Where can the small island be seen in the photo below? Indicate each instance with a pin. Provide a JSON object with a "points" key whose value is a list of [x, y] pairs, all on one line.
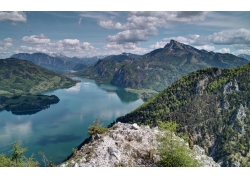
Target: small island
{"points": [[27, 104]]}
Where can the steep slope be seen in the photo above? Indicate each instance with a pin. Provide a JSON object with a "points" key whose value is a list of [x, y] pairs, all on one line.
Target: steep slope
{"points": [[127, 145], [22, 77], [212, 107], [159, 68]]}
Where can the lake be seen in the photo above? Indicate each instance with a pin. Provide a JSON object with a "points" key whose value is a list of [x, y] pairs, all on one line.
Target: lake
{"points": [[58, 129]]}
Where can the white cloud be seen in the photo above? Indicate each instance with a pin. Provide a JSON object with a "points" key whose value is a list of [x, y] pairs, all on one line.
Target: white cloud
{"points": [[223, 50], [67, 47], [240, 36], [36, 39], [133, 35], [114, 48], [80, 20], [6, 47], [87, 46], [106, 24], [237, 39], [8, 40], [141, 25], [69, 42], [14, 16], [206, 47]]}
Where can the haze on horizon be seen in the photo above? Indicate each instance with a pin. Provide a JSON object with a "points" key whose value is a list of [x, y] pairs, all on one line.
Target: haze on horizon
{"points": [[91, 33]]}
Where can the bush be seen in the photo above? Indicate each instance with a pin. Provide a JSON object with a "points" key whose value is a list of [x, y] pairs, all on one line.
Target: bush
{"points": [[96, 128], [17, 159], [173, 152]]}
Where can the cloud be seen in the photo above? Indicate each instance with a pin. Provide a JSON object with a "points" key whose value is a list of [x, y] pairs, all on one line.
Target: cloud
{"points": [[129, 47], [141, 25], [69, 42], [132, 35], [14, 16], [235, 38], [6, 47], [8, 40], [80, 20], [87, 46], [36, 39], [206, 47], [223, 50], [240, 36], [67, 47]]}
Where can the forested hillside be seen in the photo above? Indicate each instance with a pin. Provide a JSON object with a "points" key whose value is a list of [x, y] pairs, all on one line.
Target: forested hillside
{"points": [[21, 76], [212, 107]]}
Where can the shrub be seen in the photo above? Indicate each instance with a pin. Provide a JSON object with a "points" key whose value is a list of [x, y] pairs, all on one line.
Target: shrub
{"points": [[17, 159], [173, 152], [96, 128]]}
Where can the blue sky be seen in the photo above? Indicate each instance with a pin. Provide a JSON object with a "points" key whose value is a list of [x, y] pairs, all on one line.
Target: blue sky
{"points": [[91, 33]]}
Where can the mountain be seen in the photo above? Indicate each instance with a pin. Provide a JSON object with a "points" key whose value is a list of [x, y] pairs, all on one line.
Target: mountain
{"points": [[159, 68], [212, 108], [246, 56], [22, 76], [121, 57], [57, 62]]}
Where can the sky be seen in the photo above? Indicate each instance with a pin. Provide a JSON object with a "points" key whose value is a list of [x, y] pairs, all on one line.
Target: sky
{"points": [[93, 33]]}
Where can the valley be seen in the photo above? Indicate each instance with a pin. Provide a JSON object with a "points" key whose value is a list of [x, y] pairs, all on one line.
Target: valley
{"points": [[205, 93]]}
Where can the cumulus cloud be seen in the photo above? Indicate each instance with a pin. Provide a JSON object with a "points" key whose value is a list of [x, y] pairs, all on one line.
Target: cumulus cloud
{"points": [[36, 39], [68, 47], [6, 47], [8, 40], [223, 50], [69, 42], [141, 25], [87, 46], [206, 47], [133, 35], [240, 36], [237, 39], [14, 16], [114, 48]]}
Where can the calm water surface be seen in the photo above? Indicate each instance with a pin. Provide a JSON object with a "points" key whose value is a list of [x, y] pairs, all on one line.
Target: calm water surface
{"points": [[58, 129]]}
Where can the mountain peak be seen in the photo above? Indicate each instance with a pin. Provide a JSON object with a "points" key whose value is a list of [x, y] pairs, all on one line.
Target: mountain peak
{"points": [[175, 46]]}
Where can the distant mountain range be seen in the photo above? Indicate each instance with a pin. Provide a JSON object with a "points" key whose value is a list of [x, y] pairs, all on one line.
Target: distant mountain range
{"points": [[159, 68], [212, 108], [246, 56], [121, 57], [57, 62]]}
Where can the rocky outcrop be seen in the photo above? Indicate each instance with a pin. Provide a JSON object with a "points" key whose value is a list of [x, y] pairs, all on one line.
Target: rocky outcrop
{"points": [[126, 145], [231, 87], [201, 85]]}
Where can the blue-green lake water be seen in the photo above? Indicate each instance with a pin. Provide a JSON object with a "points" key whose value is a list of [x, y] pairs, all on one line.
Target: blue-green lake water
{"points": [[58, 129]]}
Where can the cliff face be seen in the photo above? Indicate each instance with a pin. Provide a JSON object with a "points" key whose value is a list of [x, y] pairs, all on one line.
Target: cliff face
{"points": [[126, 145]]}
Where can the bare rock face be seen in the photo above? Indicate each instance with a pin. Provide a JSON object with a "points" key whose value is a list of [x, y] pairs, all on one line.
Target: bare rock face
{"points": [[125, 145], [203, 158], [231, 87]]}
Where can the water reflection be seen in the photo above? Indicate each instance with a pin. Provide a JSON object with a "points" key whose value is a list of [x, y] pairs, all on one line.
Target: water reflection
{"points": [[124, 96], [75, 89], [54, 139], [64, 126]]}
